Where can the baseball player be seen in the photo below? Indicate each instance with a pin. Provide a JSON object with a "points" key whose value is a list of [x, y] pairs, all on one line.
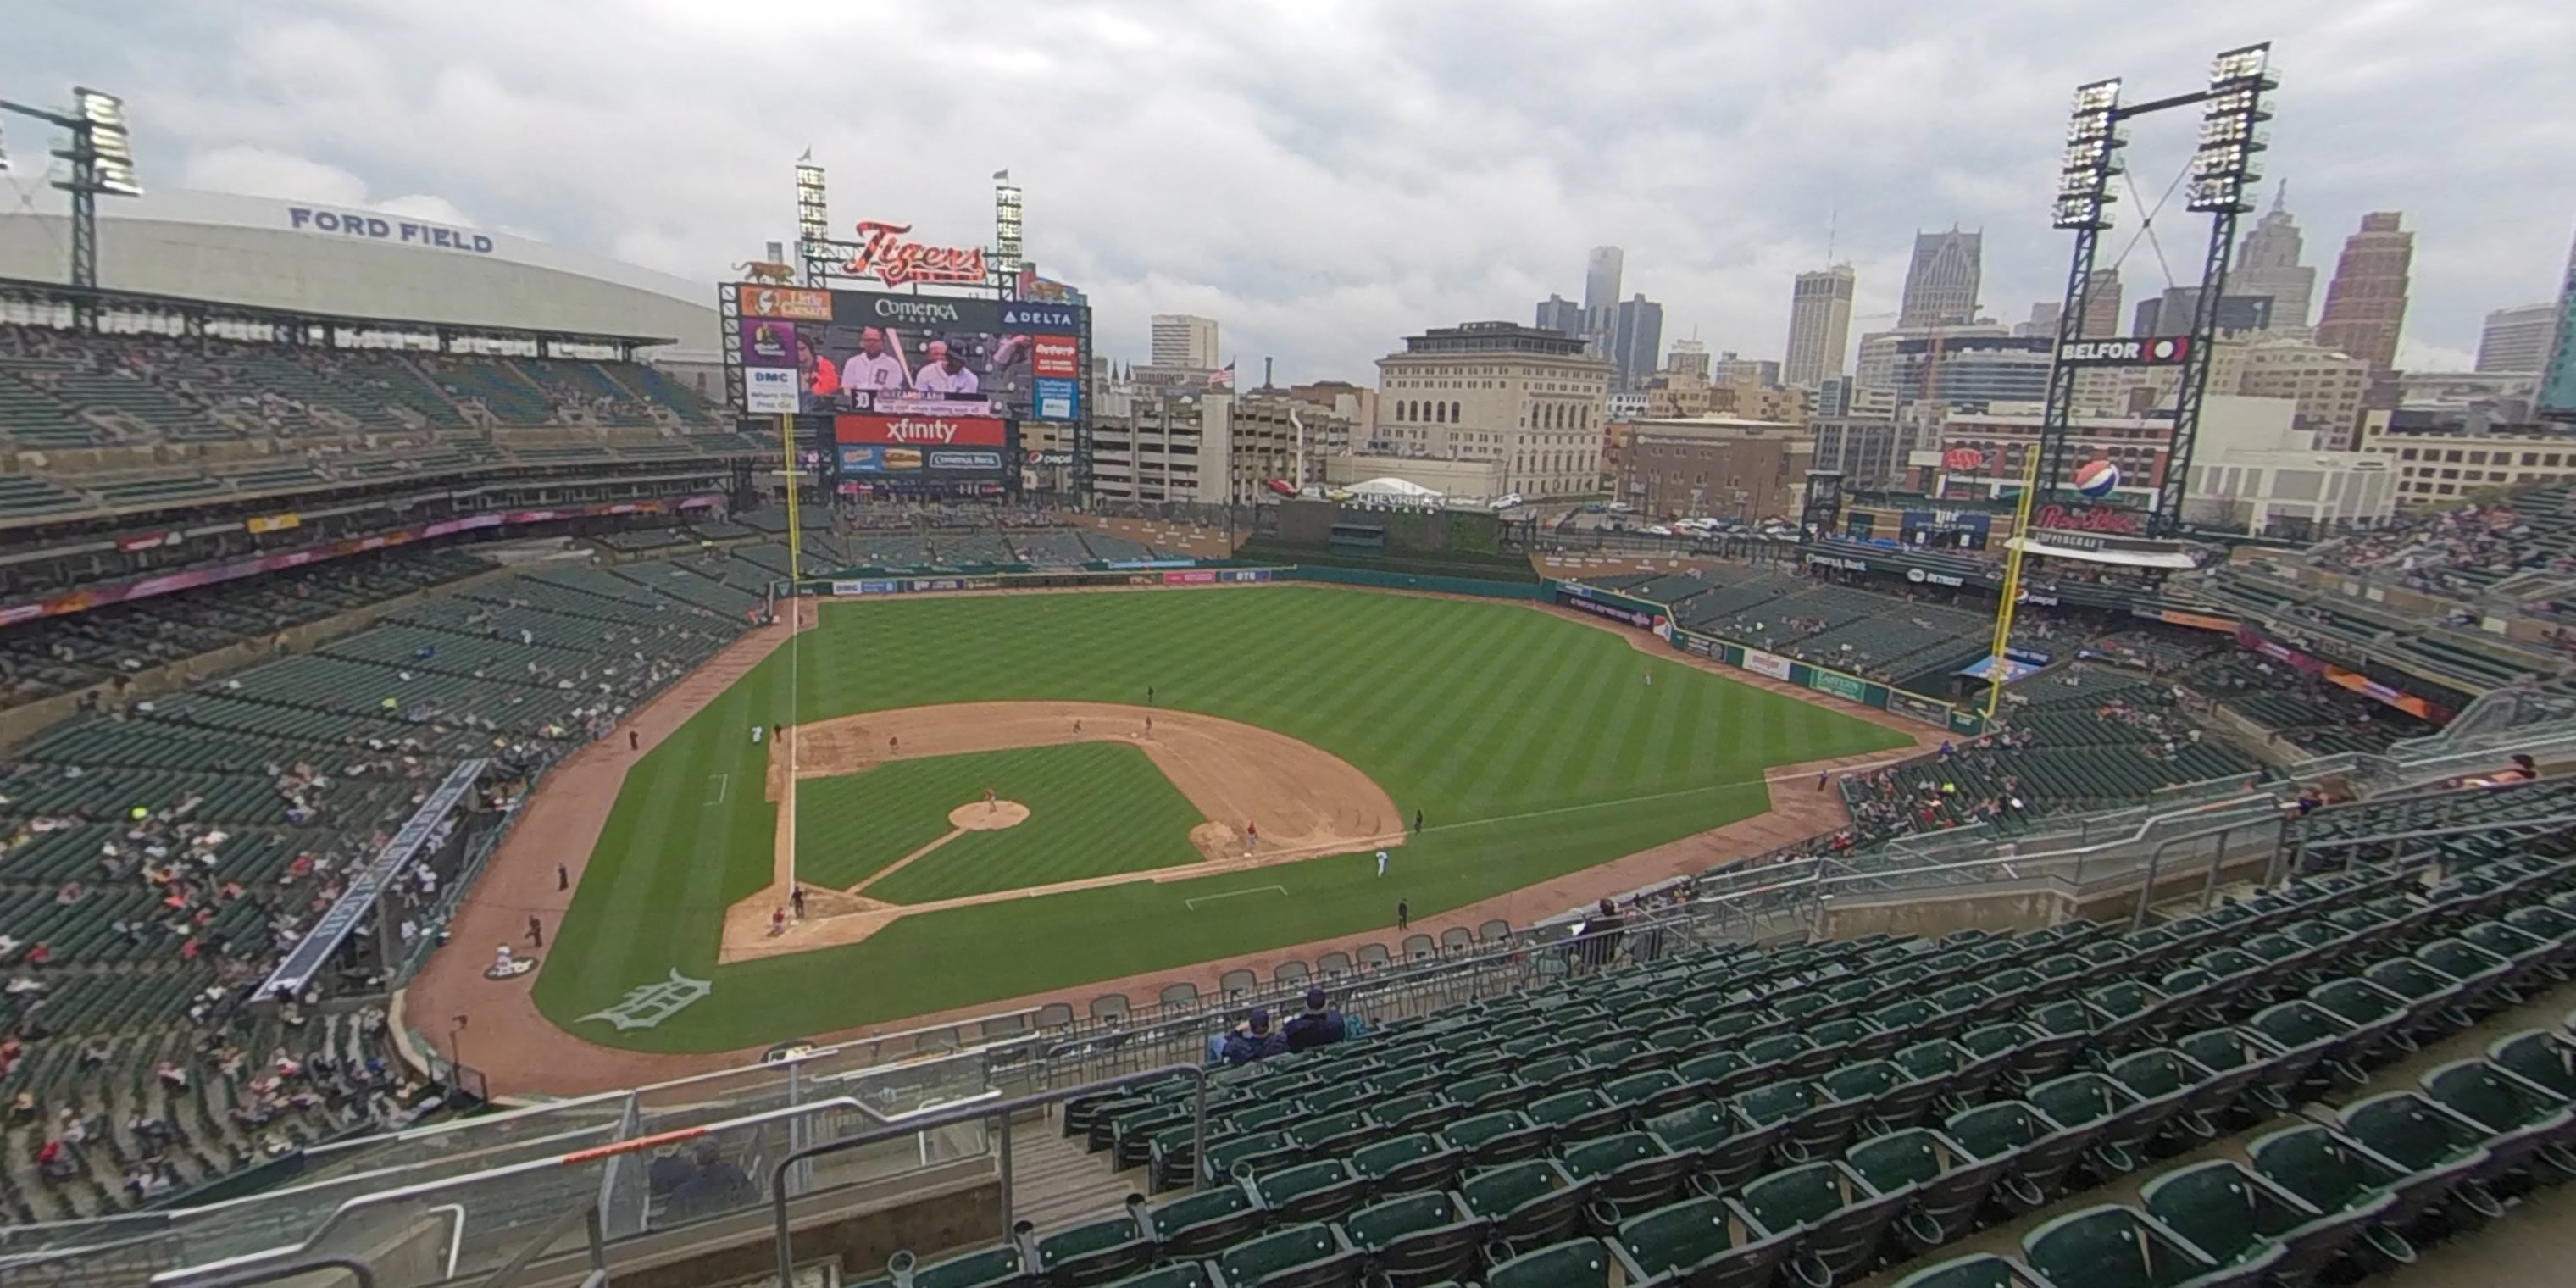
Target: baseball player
{"points": [[1251, 838], [1381, 863], [988, 800]]}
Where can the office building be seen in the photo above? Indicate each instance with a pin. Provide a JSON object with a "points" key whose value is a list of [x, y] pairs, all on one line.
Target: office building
{"points": [[1206, 448], [2043, 320], [1601, 271], [2325, 386], [1184, 341], [1689, 357], [1530, 401], [2366, 302], [2517, 339], [1716, 467], [2171, 313], [1979, 371], [1761, 371], [1870, 451], [2267, 263], [1557, 313], [1636, 336], [1941, 285], [2102, 304], [1875, 366], [1820, 307]]}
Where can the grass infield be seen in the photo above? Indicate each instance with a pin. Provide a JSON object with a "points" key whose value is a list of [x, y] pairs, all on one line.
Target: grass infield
{"points": [[1532, 745]]}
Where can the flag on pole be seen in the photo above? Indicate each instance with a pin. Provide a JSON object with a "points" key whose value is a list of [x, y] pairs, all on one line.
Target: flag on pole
{"points": [[808, 155], [1003, 175], [1222, 379]]}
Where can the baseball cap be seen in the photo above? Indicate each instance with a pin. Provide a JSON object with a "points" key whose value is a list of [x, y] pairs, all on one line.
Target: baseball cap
{"points": [[1314, 999], [1260, 1018]]}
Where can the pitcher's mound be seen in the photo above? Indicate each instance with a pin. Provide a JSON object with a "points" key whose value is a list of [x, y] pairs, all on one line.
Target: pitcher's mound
{"points": [[980, 817]]}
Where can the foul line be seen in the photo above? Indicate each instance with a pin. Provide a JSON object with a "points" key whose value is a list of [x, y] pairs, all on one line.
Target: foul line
{"points": [[1194, 901], [1765, 780], [724, 783]]}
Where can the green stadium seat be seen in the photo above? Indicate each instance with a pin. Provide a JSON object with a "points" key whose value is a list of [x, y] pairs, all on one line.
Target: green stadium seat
{"points": [[2245, 1223], [2444, 1155], [2035, 1156], [1307, 1256], [2118, 1247], [1947, 1188], [1706, 1242], [1327, 1190], [1980, 1270], [1200, 1224], [1833, 1217], [1096, 1252], [1630, 1172], [1487, 1140], [1529, 1204], [2109, 1122], [2528, 1126], [2540, 1057], [1580, 1263], [1418, 1239]]}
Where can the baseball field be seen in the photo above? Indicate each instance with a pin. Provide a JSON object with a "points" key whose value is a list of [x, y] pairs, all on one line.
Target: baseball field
{"points": [[984, 797]]}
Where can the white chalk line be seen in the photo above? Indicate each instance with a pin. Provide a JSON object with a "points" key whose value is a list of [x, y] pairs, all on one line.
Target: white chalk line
{"points": [[723, 783], [1194, 901]]}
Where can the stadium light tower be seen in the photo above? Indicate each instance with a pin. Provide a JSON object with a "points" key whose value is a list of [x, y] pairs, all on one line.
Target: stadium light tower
{"points": [[1006, 234], [2082, 207], [2222, 168], [101, 154], [813, 220]]}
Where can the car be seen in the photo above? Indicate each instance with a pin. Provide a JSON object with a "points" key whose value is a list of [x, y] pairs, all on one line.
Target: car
{"points": [[1507, 500], [1657, 530], [1622, 507], [1592, 507]]}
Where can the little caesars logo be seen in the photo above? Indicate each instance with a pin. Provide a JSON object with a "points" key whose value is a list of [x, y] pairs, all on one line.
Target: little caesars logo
{"points": [[921, 429]]}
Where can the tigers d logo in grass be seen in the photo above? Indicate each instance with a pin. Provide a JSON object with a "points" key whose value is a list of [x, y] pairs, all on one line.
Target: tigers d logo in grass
{"points": [[647, 1005]]}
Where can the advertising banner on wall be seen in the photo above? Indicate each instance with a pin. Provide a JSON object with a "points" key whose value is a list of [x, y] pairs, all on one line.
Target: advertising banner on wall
{"points": [[1839, 685], [1625, 611], [1770, 664], [1923, 709]]}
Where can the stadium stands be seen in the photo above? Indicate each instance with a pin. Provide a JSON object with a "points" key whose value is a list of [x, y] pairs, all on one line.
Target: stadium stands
{"points": [[1726, 1115], [160, 852]]}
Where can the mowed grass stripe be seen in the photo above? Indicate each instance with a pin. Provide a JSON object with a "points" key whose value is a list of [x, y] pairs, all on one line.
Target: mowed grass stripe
{"points": [[1462, 709]]}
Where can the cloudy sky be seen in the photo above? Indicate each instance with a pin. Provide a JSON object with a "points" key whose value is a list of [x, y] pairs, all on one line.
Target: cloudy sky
{"points": [[1324, 177]]}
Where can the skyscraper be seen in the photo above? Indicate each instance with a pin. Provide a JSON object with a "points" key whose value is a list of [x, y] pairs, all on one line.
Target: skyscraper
{"points": [[2366, 302], [1557, 313], [1184, 340], [1638, 336], [1941, 286], [1601, 300], [2517, 340], [2102, 304], [1689, 357], [2267, 263], [1601, 278], [1820, 305]]}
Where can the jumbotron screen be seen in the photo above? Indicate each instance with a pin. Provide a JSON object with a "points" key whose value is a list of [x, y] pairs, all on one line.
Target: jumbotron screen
{"points": [[808, 352]]}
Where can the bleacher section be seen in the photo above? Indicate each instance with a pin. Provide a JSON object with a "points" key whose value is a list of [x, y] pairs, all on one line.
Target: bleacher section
{"points": [[1819, 1114], [2303, 711], [157, 856], [94, 411]]}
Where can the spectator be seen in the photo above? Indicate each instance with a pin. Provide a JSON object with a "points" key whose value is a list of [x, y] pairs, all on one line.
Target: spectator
{"points": [[1602, 935], [1253, 1039], [718, 1185], [670, 1170], [1318, 1025]]}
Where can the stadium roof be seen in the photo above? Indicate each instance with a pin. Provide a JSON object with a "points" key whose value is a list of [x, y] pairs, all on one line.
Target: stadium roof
{"points": [[18, 290]]}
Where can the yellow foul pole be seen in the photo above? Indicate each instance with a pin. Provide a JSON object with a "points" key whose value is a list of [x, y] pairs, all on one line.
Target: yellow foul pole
{"points": [[795, 531], [2012, 579]]}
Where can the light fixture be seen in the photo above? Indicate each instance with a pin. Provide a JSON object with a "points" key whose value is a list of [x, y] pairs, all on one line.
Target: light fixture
{"points": [[2226, 163], [2090, 159]]}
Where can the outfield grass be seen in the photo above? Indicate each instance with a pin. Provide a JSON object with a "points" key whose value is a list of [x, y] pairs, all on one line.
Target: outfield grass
{"points": [[1531, 744]]}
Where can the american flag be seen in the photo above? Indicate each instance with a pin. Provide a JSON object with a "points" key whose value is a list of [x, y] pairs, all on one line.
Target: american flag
{"points": [[1222, 379]]}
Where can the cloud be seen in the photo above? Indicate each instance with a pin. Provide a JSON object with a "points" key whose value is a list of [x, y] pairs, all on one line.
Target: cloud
{"points": [[262, 172], [1325, 178]]}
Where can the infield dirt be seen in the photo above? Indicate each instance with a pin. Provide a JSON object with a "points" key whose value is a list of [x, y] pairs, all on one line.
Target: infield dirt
{"points": [[1266, 798]]}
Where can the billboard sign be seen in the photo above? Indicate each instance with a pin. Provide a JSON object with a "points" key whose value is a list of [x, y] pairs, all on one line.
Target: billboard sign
{"points": [[920, 431], [886, 254], [834, 352], [2136, 351], [1043, 457]]}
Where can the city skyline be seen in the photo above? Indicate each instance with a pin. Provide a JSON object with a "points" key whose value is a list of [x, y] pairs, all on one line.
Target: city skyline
{"points": [[1397, 189]]}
